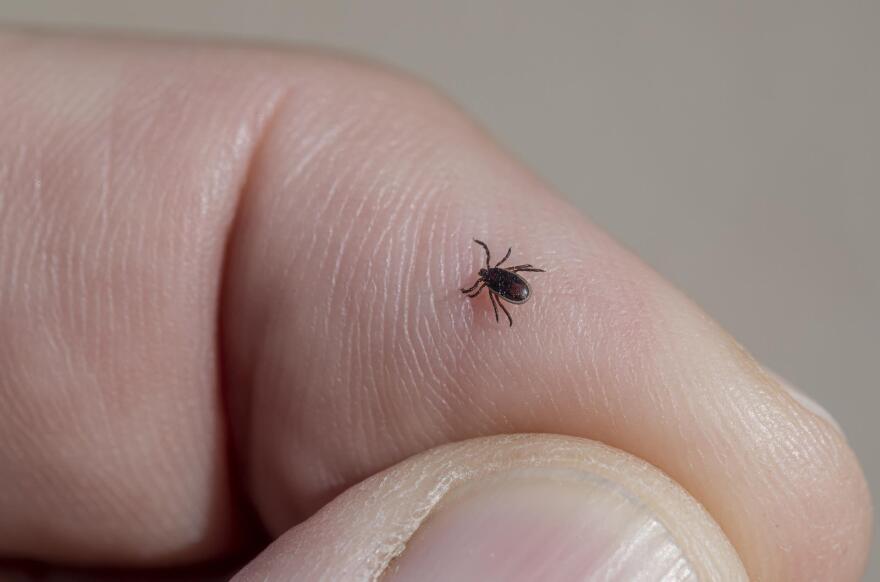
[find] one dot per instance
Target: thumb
(522, 507)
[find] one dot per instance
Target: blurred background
(734, 145)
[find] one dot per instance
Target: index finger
(350, 345)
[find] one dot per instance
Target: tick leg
(495, 307)
(488, 254)
(472, 287)
(504, 309)
(507, 256)
(477, 292)
(528, 268)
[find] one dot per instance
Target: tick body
(502, 283)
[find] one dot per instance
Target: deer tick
(502, 283)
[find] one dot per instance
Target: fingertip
(518, 507)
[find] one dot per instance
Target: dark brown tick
(502, 282)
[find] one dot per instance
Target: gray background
(734, 145)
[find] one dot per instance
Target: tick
(502, 283)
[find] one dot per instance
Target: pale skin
(230, 279)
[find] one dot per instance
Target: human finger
(350, 346)
(521, 507)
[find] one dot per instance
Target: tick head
(483, 272)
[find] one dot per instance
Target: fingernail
(541, 524)
(805, 401)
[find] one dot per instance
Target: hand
(230, 292)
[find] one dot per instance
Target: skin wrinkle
(397, 291)
(363, 435)
(332, 196)
(416, 371)
(247, 150)
(101, 217)
(362, 349)
(102, 224)
(418, 348)
(426, 374)
(153, 254)
(332, 299)
(459, 393)
(382, 404)
(382, 296)
(387, 371)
